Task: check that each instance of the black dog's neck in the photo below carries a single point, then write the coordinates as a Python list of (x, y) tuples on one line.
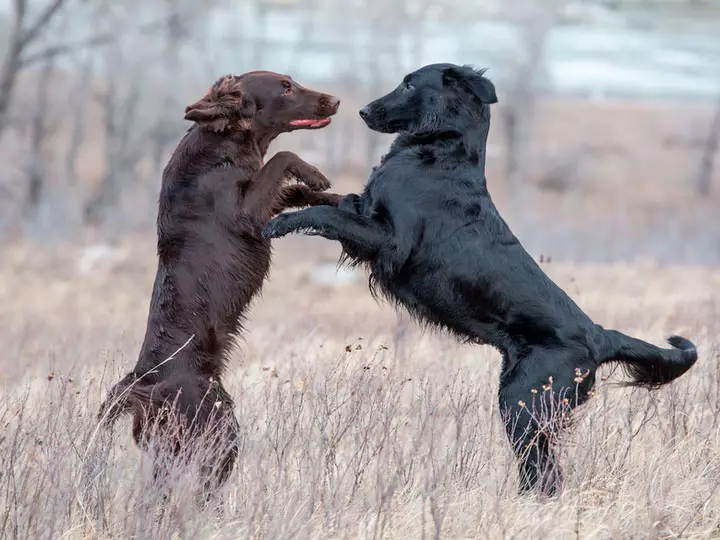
[(428, 136), (467, 142)]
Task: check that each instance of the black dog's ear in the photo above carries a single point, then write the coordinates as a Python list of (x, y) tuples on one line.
[(473, 80)]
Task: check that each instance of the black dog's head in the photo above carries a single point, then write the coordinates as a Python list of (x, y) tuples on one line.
[(262, 101), (433, 97)]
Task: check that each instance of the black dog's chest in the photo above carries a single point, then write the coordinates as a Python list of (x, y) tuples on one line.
[(387, 182)]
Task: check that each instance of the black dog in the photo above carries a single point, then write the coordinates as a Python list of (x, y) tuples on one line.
[(434, 242)]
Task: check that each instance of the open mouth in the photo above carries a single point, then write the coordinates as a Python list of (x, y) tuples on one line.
[(310, 124)]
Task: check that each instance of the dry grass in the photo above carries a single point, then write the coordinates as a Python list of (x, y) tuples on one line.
[(397, 438)]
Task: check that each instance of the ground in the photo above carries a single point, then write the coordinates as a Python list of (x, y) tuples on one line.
[(354, 422)]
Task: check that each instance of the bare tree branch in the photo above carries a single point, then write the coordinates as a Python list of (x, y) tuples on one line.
[(78, 115), (43, 20), (122, 152), (65, 48), (19, 39), (20, 6), (98, 40), (36, 167), (8, 74)]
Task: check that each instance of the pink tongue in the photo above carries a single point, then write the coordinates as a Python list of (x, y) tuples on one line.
[(309, 123)]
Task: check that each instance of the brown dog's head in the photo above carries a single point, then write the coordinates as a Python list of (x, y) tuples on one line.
[(262, 101)]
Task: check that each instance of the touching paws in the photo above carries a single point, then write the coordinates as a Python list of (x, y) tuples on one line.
[(351, 203), (278, 227)]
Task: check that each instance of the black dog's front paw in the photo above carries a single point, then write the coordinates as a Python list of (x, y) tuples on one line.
[(277, 227), (352, 203), (302, 222)]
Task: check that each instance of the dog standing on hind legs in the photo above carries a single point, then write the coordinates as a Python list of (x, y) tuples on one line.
[(427, 229), (216, 195)]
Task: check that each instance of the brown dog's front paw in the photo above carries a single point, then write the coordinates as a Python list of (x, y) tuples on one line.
[(319, 181), (310, 176)]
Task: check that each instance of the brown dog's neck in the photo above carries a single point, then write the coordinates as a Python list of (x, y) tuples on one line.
[(202, 150)]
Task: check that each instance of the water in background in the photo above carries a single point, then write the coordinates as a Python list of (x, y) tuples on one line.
[(610, 55)]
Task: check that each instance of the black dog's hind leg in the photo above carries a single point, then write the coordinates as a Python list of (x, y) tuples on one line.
[(360, 237), (532, 445), (537, 404)]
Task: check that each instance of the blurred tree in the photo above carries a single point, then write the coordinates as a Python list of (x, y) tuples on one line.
[(119, 103), (41, 129), (22, 35), (536, 20), (710, 150)]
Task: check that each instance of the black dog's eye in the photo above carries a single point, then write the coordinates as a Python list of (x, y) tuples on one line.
[(288, 88)]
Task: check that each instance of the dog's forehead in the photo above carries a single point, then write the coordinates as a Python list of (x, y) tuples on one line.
[(430, 70), (266, 77), (224, 80)]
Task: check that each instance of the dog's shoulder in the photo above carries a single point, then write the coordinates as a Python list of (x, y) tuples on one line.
[(394, 168)]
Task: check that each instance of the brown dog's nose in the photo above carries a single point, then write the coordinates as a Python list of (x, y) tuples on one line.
[(333, 103)]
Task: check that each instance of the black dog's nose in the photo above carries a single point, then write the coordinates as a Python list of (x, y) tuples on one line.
[(364, 112)]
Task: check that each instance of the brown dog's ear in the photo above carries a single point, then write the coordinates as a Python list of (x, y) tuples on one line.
[(225, 106), (208, 114)]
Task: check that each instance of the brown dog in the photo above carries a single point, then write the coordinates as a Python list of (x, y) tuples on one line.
[(215, 198)]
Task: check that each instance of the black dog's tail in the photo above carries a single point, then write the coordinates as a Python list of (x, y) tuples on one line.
[(648, 366)]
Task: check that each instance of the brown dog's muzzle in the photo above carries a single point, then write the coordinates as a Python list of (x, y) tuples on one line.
[(327, 105), (323, 108)]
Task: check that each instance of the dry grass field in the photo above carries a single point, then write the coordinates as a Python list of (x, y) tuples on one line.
[(354, 422)]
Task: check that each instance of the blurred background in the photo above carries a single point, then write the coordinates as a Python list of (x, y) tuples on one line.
[(603, 146), (603, 158)]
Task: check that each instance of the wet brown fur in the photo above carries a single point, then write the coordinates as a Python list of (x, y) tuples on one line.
[(216, 195)]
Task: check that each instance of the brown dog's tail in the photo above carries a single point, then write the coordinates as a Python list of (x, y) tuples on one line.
[(647, 365)]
